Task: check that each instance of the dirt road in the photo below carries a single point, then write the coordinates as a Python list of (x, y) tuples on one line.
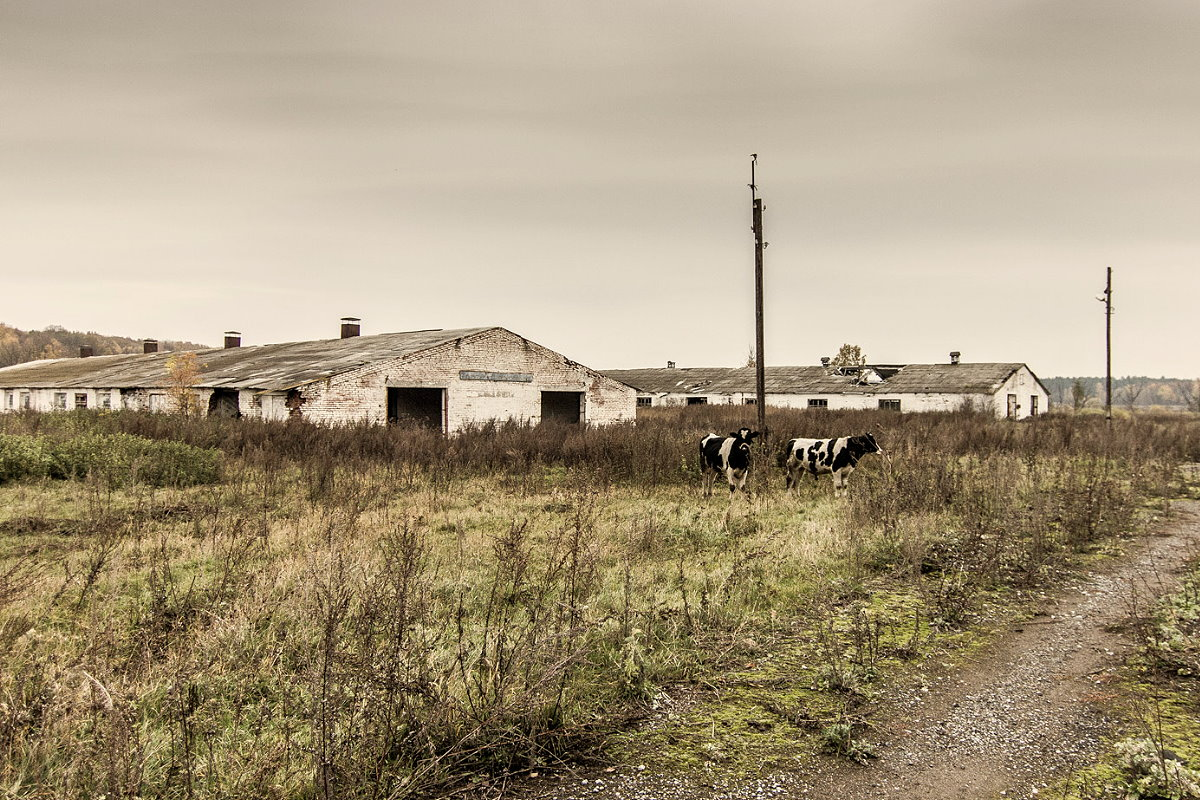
[(1018, 716)]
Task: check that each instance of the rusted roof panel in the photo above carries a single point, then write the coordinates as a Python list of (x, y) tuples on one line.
[(268, 367)]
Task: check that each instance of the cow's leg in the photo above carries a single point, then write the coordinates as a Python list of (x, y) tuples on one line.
[(789, 480)]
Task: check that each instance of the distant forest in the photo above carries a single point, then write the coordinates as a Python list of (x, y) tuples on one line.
[(1129, 392), (17, 346)]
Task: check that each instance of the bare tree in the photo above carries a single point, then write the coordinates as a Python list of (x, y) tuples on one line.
[(1189, 393), (1130, 392)]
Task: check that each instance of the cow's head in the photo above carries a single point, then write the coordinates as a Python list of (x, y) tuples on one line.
[(869, 444), (745, 434)]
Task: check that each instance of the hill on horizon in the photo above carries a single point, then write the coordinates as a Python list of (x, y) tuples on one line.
[(54, 341)]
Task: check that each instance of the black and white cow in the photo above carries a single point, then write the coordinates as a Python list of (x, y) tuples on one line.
[(823, 456), (728, 456)]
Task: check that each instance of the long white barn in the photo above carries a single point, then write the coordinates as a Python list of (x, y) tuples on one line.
[(444, 379), (1004, 389)]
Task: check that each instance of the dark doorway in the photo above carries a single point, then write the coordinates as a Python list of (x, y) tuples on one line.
[(562, 407), (224, 403), (422, 408)]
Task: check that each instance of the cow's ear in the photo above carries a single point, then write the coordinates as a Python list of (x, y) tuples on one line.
[(734, 435), (751, 435)]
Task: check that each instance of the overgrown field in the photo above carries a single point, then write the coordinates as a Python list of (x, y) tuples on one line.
[(292, 611)]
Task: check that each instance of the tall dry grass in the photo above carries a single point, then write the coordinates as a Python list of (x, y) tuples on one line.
[(373, 612)]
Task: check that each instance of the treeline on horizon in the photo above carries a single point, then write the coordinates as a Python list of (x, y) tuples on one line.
[(18, 346), (1131, 391)]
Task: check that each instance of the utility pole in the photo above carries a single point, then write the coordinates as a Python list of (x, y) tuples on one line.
[(760, 379), (1108, 311)]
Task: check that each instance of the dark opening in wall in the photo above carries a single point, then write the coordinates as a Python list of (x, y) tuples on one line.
[(224, 403), (416, 407), (562, 407)]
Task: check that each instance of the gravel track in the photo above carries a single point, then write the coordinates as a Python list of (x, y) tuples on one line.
[(1020, 714)]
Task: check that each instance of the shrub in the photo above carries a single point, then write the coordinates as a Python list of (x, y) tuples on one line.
[(22, 457), (118, 459)]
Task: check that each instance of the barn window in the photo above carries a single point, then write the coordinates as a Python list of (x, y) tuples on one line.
[(10, 399), (81, 399), (60, 400), (419, 407), (749, 401), (818, 402), (889, 405), (562, 407), (26, 400), (644, 401), (106, 400), (697, 401)]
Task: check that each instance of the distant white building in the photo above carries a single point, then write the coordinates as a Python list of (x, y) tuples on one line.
[(444, 379), (1006, 390)]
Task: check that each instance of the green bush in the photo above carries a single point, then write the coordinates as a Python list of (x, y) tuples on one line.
[(119, 459), (22, 457)]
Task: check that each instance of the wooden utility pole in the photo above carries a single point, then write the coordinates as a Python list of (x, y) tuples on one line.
[(1108, 310), (760, 375)]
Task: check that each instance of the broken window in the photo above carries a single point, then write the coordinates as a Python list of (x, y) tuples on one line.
[(60, 400), (419, 407), (562, 407), (81, 400), (644, 401), (889, 405), (697, 401), (818, 402)]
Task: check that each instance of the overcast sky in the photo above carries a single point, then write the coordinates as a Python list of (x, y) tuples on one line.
[(937, 175)]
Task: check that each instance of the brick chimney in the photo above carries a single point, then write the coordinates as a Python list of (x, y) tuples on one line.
[(825, 361), (233, 339), (670, 365), (150, 346), (954, 356), (85, 351), (350, 327)]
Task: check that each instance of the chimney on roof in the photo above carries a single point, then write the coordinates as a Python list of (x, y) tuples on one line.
[(954, 356), (85, 351), (150, 346), (350, 327), (825, 361), (670, 365), (233, 339)]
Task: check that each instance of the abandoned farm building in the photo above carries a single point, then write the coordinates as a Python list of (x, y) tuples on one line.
[(444, 379), (1007, 390)]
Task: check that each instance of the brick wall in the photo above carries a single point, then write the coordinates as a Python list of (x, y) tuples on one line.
[(362, 394)]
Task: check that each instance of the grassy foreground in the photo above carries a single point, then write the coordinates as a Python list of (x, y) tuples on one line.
[(370, 612)]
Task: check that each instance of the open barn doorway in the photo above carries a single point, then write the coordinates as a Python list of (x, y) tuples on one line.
[(224, 403), (565, 408), (417, 407)]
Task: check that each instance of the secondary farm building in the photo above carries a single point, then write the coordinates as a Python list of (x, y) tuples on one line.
[(446, 379), (1007, 389)]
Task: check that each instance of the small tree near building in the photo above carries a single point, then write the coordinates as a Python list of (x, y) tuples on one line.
[(849, 355), (183, 373), (1080, 394)]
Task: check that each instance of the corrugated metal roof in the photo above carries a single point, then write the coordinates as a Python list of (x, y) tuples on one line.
[(907, 379), (262, 367)]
